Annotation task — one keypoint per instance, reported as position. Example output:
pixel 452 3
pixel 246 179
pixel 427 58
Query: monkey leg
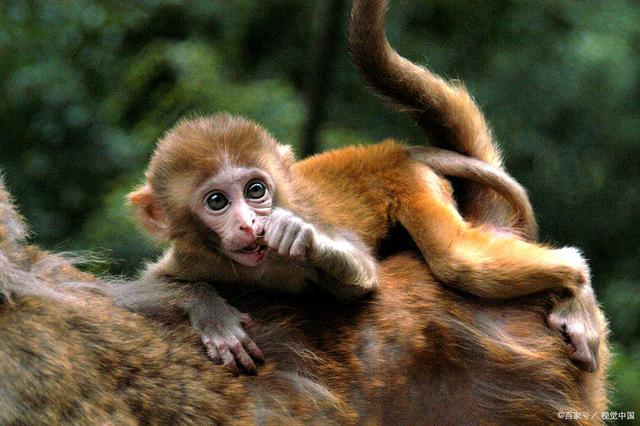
pixel 478 260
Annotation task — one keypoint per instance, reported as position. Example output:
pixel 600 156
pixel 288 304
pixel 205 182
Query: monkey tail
pixel 452 164
pixel 445 110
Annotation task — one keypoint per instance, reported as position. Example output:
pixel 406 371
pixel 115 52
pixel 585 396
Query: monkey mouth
pixel 253 248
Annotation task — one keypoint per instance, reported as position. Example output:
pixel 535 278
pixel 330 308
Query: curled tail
pixel 452 164
pixel 445 110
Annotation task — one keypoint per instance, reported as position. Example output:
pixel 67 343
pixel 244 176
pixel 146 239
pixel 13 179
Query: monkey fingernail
pixel 214 356
pixel 250 368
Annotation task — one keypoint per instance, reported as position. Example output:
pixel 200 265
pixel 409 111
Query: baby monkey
pixel 238 210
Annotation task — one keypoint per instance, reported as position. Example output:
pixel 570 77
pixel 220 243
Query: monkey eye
pixel 216 201
pixel 255 190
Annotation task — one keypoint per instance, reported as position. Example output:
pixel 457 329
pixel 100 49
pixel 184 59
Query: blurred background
pixel 88 86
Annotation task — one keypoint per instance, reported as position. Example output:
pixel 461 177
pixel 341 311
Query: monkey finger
pixel 252 348
pixel 242 356
pixel 300 245
pixel 211 350
pixel 213 354
pixel 271 221
pixel 261 224
pixel 287 239
pixel 225 354
pixel 274 234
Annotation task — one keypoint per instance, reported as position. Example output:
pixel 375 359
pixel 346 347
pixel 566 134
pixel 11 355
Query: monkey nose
pixel 246 228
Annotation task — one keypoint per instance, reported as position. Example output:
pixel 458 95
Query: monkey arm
pixel 146 295
pixel 219 324
pixel 343 264
pixel 346 267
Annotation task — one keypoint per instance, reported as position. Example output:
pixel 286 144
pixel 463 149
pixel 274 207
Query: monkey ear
pixel 149 213
pixel 287 155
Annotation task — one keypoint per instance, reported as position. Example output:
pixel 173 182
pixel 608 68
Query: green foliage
pixel 88 86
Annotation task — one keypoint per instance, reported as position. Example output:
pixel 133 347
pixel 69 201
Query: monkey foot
pixel 580 331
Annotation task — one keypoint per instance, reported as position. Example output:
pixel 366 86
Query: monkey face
pixel 235 203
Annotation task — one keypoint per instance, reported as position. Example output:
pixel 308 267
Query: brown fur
pixel 413 352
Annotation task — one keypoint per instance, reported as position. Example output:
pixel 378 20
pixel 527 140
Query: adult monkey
pixel 414 352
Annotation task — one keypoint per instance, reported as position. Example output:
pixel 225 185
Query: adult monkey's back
pixel 412 353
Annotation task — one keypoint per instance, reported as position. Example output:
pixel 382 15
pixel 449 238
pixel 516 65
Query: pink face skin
pixel 236 203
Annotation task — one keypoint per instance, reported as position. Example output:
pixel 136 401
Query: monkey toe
pixel 583 357
pixel 579 349
pixel 581 352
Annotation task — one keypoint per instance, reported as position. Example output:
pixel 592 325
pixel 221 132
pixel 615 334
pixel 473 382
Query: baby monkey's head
pixel 212 183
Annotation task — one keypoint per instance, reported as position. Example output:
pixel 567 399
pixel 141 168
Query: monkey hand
pixel 221 328
pixel 577 319
pixel 290 235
